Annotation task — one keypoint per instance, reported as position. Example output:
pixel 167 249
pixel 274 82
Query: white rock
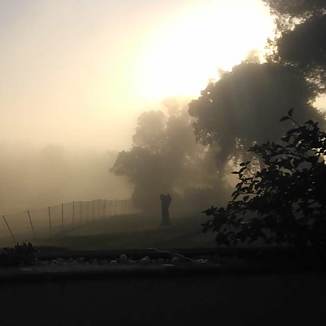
pixel 145 260
pixel 123 259
pixel 202 261
pixel 175 260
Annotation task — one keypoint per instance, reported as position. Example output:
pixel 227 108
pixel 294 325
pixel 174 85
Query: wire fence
pixel 50 221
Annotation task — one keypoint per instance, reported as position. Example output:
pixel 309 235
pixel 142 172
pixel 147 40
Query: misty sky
pixel 78 72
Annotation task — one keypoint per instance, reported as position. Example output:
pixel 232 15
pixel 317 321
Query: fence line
pixel 43 223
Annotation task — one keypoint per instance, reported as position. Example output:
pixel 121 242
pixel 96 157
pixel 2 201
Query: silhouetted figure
pixel 165 204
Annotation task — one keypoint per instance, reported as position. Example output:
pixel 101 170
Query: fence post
pixel 50 221
pixel 62 214
pixel 110 207
pixel 80 212
pixel 73 212
pixel 104 208
pixel 86 211
pixel 99 208
pixel 96 208
pixel 31 223
pixel 93 209
pixel 9 229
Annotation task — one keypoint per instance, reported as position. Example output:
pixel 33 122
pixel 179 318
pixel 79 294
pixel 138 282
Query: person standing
pixel 165 213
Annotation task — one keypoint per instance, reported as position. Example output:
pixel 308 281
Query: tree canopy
pixel 301 39
pixel 297 8
pixel 165 158
pixel 244 106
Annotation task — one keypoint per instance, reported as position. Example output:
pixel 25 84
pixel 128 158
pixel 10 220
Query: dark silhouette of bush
pixel 21 254
pixel 281 194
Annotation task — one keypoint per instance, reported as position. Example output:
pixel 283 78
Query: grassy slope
pixel 133 232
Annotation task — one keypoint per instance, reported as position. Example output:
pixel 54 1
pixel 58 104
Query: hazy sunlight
pixel 184 53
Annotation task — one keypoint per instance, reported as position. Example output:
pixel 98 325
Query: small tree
pixel 283 200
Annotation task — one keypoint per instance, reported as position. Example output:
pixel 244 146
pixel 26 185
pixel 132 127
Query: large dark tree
pixel 305 49
pixel 301 37
pixel 244 106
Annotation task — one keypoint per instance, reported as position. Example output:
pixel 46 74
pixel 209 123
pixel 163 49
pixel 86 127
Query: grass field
pixel 132 232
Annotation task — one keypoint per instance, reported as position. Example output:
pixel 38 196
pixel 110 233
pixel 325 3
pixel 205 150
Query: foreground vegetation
pixel 280 197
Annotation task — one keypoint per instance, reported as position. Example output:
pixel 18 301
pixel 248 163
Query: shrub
pixel 280 197
pixel 21 254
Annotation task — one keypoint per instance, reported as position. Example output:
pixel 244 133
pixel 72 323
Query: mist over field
pixel 33 178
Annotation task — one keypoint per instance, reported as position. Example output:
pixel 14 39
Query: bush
pixel 280 197
pixel 21 254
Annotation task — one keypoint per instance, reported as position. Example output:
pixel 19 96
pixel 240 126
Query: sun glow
pixel 186 52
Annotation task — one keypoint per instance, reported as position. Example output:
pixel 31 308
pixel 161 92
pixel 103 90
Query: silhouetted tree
pixel 165 158
pixel 284 199
pixel 301 37
pixel 244 107
pixel 150 131
pixel 296 8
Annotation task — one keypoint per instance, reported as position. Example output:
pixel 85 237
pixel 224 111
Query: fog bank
pixel 32 177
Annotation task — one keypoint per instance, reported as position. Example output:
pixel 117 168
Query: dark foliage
pixel 165 158
pixel 160 147
pixel 301 37
pixel 21 254
pixel 297 8
pixel 304 48
pixel 244 106
pixel 283 200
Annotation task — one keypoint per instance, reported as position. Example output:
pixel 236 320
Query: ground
pixel 132 232
pixel 249 300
